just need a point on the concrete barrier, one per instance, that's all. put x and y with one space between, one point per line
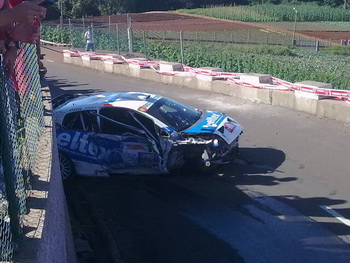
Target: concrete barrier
332 109
47 230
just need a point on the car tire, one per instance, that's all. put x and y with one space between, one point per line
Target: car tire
66 167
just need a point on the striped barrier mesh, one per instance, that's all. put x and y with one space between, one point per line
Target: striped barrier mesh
21 124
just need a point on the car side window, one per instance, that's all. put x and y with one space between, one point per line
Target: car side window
124 116
81 121
147 123
120 115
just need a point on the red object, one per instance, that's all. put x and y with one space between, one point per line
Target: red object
230 126
13 3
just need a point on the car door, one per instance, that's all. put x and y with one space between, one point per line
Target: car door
75 140
129 141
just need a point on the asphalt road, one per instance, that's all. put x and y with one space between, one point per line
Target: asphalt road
285 200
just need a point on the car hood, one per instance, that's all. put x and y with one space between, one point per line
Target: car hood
216 123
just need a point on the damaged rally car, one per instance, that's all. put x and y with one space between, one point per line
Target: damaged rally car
134 132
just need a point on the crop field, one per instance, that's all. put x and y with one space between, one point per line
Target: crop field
273 13
308 26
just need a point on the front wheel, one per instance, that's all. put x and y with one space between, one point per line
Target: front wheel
66 166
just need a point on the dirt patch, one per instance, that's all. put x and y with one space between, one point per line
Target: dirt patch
185 22
173 22
334 35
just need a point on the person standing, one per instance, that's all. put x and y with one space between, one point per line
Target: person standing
89 38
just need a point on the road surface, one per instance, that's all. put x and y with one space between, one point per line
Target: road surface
285 200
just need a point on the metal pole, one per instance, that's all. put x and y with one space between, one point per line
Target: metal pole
109 32
130 40
83 23
61 21
93 35
295 25
144 43
182 47
317 45
117 29
70 32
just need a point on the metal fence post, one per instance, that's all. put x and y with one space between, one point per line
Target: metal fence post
317 45
109 32
182 47
130 40
118 46
70 32
61 20
144 43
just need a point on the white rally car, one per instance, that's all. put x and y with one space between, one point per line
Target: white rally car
134 132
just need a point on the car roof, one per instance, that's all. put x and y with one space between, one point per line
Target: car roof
131 100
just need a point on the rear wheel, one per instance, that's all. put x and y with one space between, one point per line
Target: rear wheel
66 166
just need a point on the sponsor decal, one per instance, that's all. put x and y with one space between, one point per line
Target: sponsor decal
212 120
230 126
82 146
112 152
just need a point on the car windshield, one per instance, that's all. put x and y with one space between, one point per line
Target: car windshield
174 114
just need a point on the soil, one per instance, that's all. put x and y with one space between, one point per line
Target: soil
185 22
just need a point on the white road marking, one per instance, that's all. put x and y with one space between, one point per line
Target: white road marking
49 60
336 215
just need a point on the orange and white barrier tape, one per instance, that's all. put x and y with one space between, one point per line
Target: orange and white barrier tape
55 43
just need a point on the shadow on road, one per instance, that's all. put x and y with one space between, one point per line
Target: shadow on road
61 85
254 166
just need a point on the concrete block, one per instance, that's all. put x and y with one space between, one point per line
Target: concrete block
121 69
257 95
255 78
283 99
88 58
136 66
108 68
333 109
112 59
204 84
222 87
306 105
207 73
137 63
170 66
307 88
69 54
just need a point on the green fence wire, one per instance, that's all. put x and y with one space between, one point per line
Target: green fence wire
21 124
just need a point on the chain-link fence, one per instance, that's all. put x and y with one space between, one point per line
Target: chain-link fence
123 37
21 124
